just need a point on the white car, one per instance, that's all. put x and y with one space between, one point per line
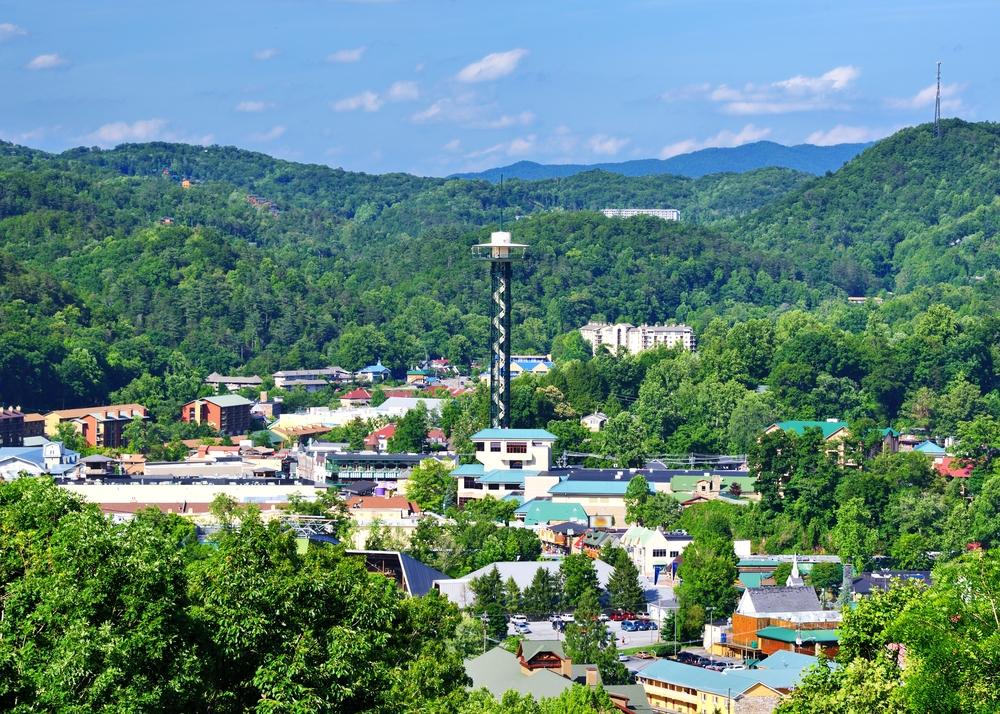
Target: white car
568 617
519 620
603 617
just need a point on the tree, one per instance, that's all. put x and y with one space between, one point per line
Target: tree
489 591
588 641
431 486
623 586
826 576
380 537
853 536
71 438
511 596
636 495
411 432
623 439
707 574
579 577
542 596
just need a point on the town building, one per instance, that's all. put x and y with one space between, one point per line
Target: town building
506 457
413 577
291 378
656 553
359 397
378 440
34 424
676 687
530 365
228 413
103 425
374 373
636 339
37 457
595 422
233 383
667 214
11 427
540 511
541 669
770 619
385 507
880 580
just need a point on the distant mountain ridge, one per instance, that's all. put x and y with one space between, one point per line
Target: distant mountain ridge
808 158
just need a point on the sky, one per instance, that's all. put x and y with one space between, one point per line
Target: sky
435 87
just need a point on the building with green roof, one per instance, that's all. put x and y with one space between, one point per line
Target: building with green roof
830 427
545 512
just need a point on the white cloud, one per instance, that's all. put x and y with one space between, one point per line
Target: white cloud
403 92
367 100
266 54
49 61
492 66
950 100
514 147
143 130
606 145
835 80
724 138
8 31
453 145
120 132
253 106
462 108
346 56
842 134
800 93
275 132
502 122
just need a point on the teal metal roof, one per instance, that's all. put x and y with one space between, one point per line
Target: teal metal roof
508 434
929 447
514 476
758 563
780 674
889 431
538 512
829 428
752 580
788 634
468 470
592 488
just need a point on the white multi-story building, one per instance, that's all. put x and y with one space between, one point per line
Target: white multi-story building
667 214
636 339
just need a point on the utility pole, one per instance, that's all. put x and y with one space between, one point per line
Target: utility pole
937 104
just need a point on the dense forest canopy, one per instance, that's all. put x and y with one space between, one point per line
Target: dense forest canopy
100 289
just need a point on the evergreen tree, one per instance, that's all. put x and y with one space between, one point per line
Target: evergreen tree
579 577
511 596
623 587
541 598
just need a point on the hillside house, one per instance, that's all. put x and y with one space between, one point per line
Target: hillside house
38 457
11 427
99 426
374 373
233 383
359 397
595 422
656 553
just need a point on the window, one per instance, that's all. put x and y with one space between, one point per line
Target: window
517 447
480 446
659 553
517 464
674 553
495 447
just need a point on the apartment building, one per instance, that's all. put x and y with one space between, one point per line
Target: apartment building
636 339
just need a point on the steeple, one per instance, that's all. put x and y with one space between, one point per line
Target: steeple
794 579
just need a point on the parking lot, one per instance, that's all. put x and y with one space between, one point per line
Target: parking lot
544 630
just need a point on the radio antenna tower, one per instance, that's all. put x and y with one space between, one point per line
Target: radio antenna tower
937 104
500 252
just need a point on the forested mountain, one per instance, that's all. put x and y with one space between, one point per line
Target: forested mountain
265 264
807 158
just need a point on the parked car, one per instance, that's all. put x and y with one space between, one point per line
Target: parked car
620 615
522 629
602 617
628 626
645 655
623 658
650 625
558 624
519 619
734 668
567 617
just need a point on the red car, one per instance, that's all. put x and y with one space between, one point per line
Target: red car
620 615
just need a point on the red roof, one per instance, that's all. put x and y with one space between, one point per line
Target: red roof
358 393
436 434
952 467
387 432
374 503
399 393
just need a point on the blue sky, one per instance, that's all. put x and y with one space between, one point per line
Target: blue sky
438 87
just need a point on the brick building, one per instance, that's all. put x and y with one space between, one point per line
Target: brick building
99 426
228 413
11 427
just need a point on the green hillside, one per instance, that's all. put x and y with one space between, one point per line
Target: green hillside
346 267
913 210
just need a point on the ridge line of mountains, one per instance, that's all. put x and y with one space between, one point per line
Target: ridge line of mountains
807 158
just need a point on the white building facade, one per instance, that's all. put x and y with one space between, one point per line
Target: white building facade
636 339
667 214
